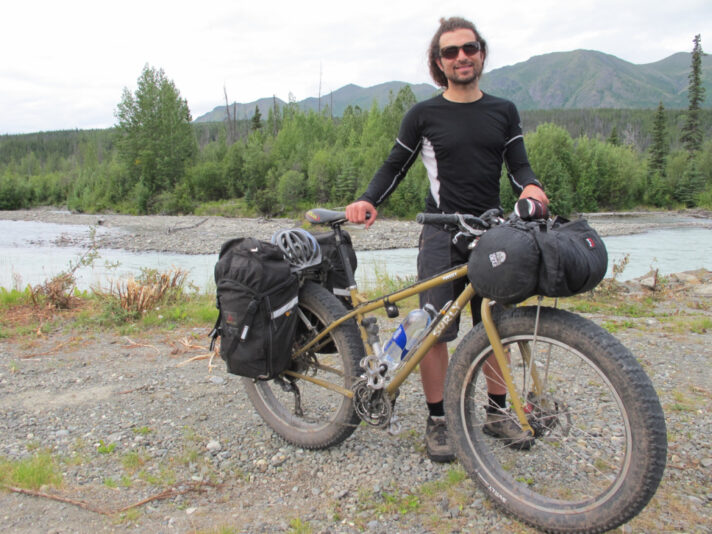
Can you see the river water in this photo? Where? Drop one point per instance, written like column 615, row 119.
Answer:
column 28, row 256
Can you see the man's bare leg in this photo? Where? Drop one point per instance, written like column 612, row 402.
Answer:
column 433, row 369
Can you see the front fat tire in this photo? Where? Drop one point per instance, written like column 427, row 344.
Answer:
column 329, row 417
column 601, row 457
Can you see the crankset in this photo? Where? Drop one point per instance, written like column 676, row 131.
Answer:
column 372, row 405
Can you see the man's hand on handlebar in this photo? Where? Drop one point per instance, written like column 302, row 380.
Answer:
column 535, row 192
column 361, row 212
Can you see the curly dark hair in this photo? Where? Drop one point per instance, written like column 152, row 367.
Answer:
column 449, row 25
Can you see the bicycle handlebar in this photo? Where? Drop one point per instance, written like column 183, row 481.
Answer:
column 463, row 221
column 453, row 219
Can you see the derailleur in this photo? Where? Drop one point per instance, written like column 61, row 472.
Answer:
column 289, row 386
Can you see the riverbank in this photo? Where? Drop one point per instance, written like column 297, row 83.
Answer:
column 191, row 234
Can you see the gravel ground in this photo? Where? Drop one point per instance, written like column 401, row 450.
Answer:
column 127, row 422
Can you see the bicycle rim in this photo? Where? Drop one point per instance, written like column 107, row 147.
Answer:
column 582, row 451
column 304, row 413
column 600, row 440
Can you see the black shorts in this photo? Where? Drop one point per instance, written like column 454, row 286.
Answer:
column 437, row 253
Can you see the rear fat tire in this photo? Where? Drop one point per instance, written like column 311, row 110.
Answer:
column 329, row 417
column 606, row 445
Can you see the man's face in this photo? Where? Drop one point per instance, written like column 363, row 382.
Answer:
column 463, row 69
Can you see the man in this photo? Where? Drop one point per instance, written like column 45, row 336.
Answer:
column 463, row 136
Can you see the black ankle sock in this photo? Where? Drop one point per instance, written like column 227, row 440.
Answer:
column 436, row 409
column 496, row 402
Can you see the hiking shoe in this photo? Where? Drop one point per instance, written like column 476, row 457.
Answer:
column 503, row 425
column 436, row 441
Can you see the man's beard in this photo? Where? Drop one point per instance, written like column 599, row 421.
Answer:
column 454, row 79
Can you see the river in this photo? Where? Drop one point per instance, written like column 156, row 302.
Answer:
column 28, row 255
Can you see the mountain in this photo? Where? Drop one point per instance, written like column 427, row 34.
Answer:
column 338, row 101
column 589, row 79
column 579, row 79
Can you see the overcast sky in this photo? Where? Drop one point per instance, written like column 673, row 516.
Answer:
column 65, row 64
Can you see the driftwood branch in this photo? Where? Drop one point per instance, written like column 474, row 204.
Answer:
column 133, row 345
column 204, row 356
column 172, row 229
column 167, row 494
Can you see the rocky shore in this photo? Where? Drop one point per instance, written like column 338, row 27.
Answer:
column 191, row 234
column 147, row 441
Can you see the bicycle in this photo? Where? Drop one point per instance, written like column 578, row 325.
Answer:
column 599, row 437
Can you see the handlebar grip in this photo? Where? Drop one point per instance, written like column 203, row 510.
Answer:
column 530, row 208
column 436, row 218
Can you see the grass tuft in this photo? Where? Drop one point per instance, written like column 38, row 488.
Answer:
column 33, row 472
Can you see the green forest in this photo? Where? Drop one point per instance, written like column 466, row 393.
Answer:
column 155, row 160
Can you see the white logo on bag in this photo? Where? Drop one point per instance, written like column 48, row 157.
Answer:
column 498, row 258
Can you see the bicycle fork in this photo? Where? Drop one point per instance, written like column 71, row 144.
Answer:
column 502, row 360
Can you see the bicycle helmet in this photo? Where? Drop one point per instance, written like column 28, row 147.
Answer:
column 300, row 248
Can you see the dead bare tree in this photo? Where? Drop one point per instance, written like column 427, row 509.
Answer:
column 231, row 121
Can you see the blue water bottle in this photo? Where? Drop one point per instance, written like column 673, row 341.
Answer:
column 407, row 334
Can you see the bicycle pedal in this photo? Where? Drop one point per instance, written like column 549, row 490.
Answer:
column 394, row 426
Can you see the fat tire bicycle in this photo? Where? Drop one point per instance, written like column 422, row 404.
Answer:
column 597, row 430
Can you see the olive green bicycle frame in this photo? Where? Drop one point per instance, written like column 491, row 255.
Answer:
column 417, row 353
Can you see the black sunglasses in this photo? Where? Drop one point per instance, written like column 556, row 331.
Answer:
column 470, row 49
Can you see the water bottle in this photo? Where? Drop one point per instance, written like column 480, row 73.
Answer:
column 407, row 335
column 530, row 208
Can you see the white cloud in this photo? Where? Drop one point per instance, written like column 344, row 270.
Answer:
column 65, row 64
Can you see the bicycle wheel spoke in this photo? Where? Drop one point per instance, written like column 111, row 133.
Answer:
column 302, row 411
column 580, row 436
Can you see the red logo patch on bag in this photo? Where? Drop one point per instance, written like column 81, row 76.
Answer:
column 590, row 242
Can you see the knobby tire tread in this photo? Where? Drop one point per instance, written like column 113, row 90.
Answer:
column 631, row 383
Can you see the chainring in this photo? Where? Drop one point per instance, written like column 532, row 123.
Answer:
column 372, row 405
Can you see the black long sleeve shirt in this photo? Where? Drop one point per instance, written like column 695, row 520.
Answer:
column 463, row 146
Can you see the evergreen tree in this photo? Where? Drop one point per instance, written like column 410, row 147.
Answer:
column 659, row 147
column 156, row 140
column 344, row 188
column 256, row 120
column 691, row 132
column 691, row 184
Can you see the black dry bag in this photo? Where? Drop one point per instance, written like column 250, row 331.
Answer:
column 518, row 259
column 573, row 258
column 504, row 265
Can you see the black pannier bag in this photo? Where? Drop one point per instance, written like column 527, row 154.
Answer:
column 518, row 259
column 335, row 274
column 257, row 295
